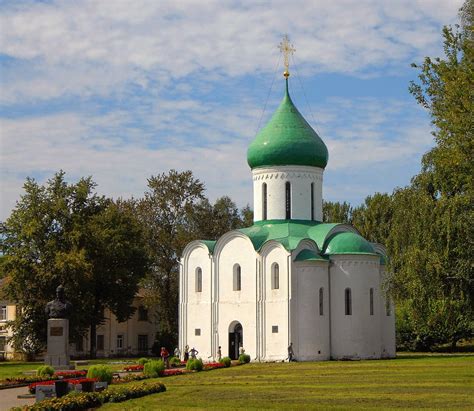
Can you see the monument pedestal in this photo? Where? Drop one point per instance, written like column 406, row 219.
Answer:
column 58, row 343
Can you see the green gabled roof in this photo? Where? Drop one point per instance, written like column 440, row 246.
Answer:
column 309, row 255
column 209, row 244
column 287, row 139
column 289, row 233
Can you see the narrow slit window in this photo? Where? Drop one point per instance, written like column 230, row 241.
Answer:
column 198, row 280
column 288, row 200
column 348, row 301
column 371, row 301
column 388, row 308
column 312, row 201
column 321, row 301
column 237, row 286
column 264, row 201
column 275, row 276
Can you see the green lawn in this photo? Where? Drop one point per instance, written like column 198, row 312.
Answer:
column 411, row 380
column 10, row 369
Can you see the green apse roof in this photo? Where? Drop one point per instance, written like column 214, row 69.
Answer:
column 287, row 139
column 348, row 243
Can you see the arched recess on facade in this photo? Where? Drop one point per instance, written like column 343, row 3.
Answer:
column 270, row 266
column 236, row 339
column 190, row 247
column 305, row 244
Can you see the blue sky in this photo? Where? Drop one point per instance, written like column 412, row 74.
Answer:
column 122, row 90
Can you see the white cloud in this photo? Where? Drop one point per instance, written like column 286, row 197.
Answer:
column 360, row 135
column 98, row 47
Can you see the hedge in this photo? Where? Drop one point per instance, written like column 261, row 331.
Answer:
column 244, row 358
column 86, row 400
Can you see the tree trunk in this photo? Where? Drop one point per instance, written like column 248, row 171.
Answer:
column 93, row 339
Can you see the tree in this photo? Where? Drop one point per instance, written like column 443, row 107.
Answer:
column 62, row 233
column 334, row 212
column 166, row 214
column 430, row 244
column 373, row 218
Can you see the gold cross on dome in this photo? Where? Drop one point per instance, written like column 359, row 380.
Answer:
column 287, row 49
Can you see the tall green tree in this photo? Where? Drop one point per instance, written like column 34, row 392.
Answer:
column 62, row 233
column 166, row 213
column 335, row 212
column 431, row 243
column 373, row 218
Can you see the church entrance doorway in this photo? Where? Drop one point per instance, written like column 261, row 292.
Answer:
column 236, row 339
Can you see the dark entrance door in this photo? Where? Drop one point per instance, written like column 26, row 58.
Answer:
column 236, row 341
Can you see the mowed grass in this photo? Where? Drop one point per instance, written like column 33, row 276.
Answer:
column 9, row 369
column 410, row 381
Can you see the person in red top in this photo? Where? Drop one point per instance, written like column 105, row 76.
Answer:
column 165, row 355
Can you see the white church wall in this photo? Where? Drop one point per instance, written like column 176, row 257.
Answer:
column 275, row 307
column 357, row 335
column 300, row 178
column 309, row 329
column 197, row 315
column 237, row 306
column 387, row 319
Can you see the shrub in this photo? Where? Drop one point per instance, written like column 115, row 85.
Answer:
column 244, row 358
column 195, row 364
column 175, row 361
column 226, row 361
column 45, row 371
column 154, row 368
column 87, row 400
column 101, row 372
column 143, row 361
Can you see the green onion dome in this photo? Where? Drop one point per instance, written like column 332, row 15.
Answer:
column 348, row 243
column 287, row 140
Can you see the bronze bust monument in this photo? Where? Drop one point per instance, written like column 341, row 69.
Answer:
column 59, row 307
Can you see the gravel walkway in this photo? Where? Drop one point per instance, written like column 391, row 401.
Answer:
column 8, row 398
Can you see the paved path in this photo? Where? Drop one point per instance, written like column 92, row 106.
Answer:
column 8, row 398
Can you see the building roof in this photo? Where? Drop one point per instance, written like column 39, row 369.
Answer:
column 290, row 233
column 287, row 139
column 348, row 243
column 309, row 255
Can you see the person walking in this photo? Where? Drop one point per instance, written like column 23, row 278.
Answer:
column 219, row 354
column 177, row 353
column 291, row 354
column 186, row 353
column 165, row 355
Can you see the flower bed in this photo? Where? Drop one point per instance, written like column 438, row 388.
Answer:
column 87, row 400
column 174, row 371
column 138, row 367
column 70, row 374
column 23, row 381
column 213, row 366
column 32, row 387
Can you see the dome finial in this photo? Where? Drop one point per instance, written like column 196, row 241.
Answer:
column 287, row 49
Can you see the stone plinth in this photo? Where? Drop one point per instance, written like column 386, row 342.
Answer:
column 58, row 343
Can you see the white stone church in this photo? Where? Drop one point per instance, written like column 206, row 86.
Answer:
column 289, row 277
